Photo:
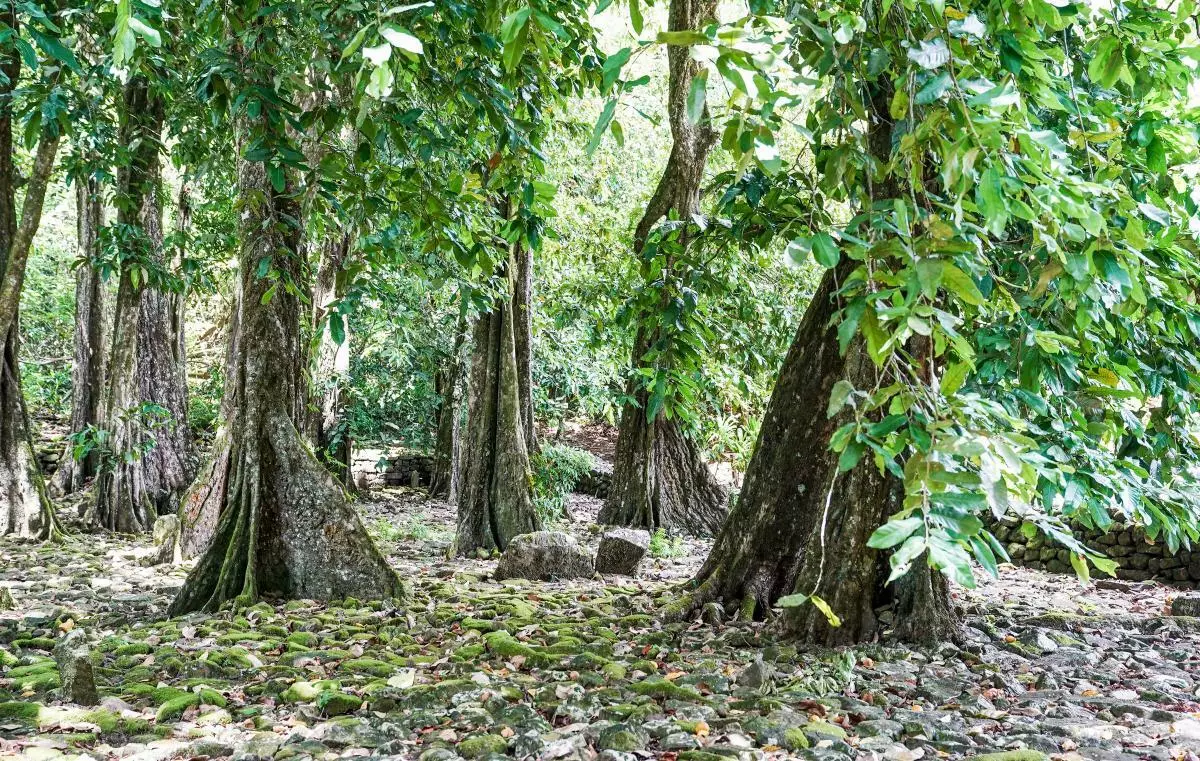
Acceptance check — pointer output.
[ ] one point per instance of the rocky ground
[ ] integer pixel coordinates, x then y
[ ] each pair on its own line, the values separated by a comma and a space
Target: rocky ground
472, 668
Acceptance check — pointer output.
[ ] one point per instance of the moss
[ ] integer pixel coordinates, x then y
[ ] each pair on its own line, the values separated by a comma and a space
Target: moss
6, 658
135, 726
479, 624
306, 640
133, 648
301, 692
161, 695
333, 703
1012, 755
234, 637
105, 720
139, 690
372, 666
701, 755
39, 681
825, 728
482, 745
32, 669
469, 652
34, 643
657, 687
211, 697
25, 713
795, 739
503, 644
614, 670
174, 708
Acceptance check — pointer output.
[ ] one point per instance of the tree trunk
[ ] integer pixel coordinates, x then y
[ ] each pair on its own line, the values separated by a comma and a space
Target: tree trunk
25, 510
88, 365
659, 478
332, 368
496, 500
800, 526
151, 447
522, 307
444, 481
283, 527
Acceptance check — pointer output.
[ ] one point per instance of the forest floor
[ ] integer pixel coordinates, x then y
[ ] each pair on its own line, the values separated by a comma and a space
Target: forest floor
472, 668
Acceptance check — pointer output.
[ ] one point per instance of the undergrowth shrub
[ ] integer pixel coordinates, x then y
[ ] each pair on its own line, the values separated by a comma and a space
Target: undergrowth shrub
556, 471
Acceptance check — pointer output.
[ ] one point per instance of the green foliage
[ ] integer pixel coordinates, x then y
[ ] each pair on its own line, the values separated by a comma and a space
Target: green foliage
663, 545
142, 422
556, 471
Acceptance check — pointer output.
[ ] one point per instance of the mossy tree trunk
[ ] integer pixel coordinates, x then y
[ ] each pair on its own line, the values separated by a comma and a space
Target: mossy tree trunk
496, 499
660, 479
522, 309
331, 368
800, 526
444, 481
90, 351
282, 526
25, 510
145, 405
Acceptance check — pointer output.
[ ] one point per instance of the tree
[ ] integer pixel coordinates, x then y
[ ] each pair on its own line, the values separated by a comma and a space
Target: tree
145, 404
447, 450
25, 510
281, 526
90, 351
660, 479
496, 499
972, 347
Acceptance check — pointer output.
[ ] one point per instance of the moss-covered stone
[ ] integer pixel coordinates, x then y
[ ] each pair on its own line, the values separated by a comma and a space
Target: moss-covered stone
482, 745
657, 687
18, 711
372, 666
1012, 755
795, 739
336, 703
174, 707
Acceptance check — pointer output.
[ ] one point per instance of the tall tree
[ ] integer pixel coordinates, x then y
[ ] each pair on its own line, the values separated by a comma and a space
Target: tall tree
277, 523
660, 479
25, 510
89, 357
145, 405
496, 499
447, 450
972, 347
331, 361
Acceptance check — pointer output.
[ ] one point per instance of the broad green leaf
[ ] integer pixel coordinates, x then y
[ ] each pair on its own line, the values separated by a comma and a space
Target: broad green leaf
838, 396
823, 606
399, 38
825, 250
695, 99
894, 532
606, 116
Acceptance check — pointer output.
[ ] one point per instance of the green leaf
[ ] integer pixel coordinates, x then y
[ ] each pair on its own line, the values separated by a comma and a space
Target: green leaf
149, 33
934, 89
825, 250
606, 116
823, 606
1079, 563
894, 532
954, 377
513, 24
635, 16
356, 41
838, 396
961, 285
399, 38
1107, 62
791, 601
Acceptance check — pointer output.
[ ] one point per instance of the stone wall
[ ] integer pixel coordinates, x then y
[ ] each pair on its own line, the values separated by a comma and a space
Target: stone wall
1138, 558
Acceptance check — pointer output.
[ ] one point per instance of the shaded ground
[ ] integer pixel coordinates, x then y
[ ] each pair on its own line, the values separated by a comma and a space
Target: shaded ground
581, 670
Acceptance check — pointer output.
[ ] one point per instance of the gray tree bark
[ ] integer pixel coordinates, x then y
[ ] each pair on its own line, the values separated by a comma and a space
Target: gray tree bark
153, 461
331, 369
659, 477
496, 501
277, 523
799, 525
25, 510
444, 481
90, 351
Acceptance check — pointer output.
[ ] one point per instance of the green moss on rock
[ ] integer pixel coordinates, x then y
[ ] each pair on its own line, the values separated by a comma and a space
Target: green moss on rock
335, 703
482, 745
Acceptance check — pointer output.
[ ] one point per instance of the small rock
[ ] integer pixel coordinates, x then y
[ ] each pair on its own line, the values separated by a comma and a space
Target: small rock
6, 599
544, 556
165, 529
1183, 605
713, 613
621, 551
73, 655
757, 676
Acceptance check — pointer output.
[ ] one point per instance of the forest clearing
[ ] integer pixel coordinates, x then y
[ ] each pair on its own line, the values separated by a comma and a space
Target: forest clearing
541, 379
